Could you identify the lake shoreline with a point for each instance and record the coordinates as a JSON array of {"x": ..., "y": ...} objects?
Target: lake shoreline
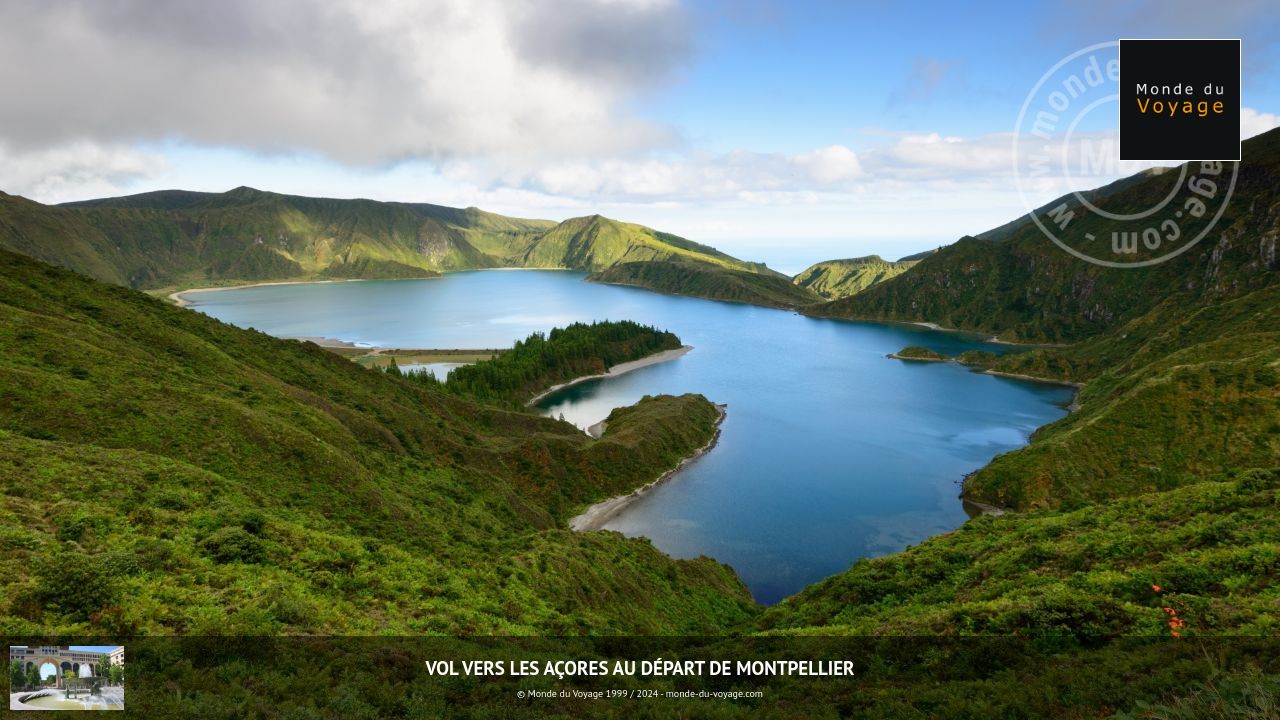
[
  {"x": 988, "y": 338},
  {"x": 616, "y": 370},
  {"x": 1072, "y": 406},
  {"x": 178, "y": 299},
  {"x": 595, "y": 516},
  {"x": 767, "y": 365}
]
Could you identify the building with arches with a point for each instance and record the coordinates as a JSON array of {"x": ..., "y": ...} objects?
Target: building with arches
[{"x": 83, "y": 663}]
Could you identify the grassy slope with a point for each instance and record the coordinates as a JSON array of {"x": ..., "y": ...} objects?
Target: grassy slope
[
  {"x": 705, "y": 280},
  {"x": 178, "y": 238},
  {"x": 126, "y": 246},
  {"x": 595, "y": 243},
  {"x": 222, "y": 481},
  {"x": 1174, "y": 396},
  {"x": 1179, "y": 360},
  {"x": 832, "y": 279},
  {"x": 1025, "y": 288},
  {"x": 1166, "y": 475},
  {"x": 1212, "y": 547}
]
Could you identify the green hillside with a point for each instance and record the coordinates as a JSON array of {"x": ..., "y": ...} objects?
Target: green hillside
[
  {"x": 1086, "y": 574},
  {"x": 1171, "y": 398},
  {"x": 1146, "y": 513},
  {"x": 168, "y": 474},
  {"x": 1181, "y": 361},
  {"x": 595, "y": 243},
  {"x": 832, "y": 279},
  {"x": 1024, "y": 288},
  {"x": 706, "y": 280},
  {"x": 1166, "y": 474},
  {"x": 165, "y": 473},
  {"x": 177, "y": 238}
]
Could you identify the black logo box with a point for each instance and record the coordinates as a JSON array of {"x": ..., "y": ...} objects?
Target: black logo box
[{"x": 1185, "y": 67}]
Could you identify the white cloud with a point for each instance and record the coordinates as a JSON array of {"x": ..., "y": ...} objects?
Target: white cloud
[
  {"x": 932, "y": 156},
  {"x": 1253, "y": 122},
  {"x": 829, "y": 165},
  {"x": 360, "y": 82},
  {"x": 691, "y": 177},
  {"x": 75, "y": 170}
]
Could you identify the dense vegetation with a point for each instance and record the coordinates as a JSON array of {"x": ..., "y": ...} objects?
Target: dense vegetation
[
  {"x": 596, "y": 243},
  {"x": 832, "y": 279},
  {"x": 1014, "y": 283},
  {"x": 1170, "y": 399},
  {"x": 165, "y": 473},
  {"x": 704, "y": 280},
  {"x": 916, "y": 352},
  {"x": 1087, "y": 574},
  {"x": 176, "y": 238},
  {"x": 542, "y": 360},
  {"x": 1150, "y": 511}
]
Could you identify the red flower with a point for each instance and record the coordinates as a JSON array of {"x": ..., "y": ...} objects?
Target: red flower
[{"x": 1156, "y": 588}]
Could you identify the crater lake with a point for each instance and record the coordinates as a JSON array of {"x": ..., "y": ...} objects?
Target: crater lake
[{"x": 829, "y": 451}]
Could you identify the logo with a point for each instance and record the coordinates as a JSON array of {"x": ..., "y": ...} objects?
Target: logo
[
  {"x": 1110, "y": 212},
  {"x": 1180, "y": 99}
]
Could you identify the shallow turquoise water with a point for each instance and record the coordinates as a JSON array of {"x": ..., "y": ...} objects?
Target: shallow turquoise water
[{"x": 830, "y": 451}]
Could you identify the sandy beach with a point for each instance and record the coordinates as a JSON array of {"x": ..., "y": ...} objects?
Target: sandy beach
[
  {"x": 982, "y": 508},
  {"x": 934, "y": 326},
  {"x": 180, "y": 301},
  {"x": 594, "y": 517},
  {"x": 619, "y": 369},
  {"x": 177, "y": 297}
]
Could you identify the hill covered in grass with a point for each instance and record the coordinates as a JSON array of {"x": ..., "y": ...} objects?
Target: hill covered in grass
[
  {"x": 833, "y": 279},
  {"x": 758, "y": 286},
  {"x": 166, "y": 473},
  {"x": 596, "y": 243},
  {"x": 1071, "y": 574},
  {"x": 178, "y": 238},
  {"x": 1014, "y": 282},
  {"x": 1179, "y": 360},
  {"x": 1173, "y": 396},
  {"x": 1151, "y": 503}
]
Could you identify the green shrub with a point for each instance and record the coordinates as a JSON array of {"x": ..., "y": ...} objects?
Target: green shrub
[
  {"x": 75, "y": 526},
  {"x": 153, "y": 554},
  {"x": 74, "y": 583},
  {"x": 233, "y": 544}
]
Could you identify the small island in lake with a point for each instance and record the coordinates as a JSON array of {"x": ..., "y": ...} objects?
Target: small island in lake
[{"x": 919, "y": 354}]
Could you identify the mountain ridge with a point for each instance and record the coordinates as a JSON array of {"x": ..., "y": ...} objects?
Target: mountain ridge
[
  {"x": 179, "y": 238},
  {"x": 1013, "y": 282},
  {"x": 833, "y": 279}
]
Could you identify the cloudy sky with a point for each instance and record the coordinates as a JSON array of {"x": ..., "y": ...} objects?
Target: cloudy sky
[{"x": 782, "y": 131}]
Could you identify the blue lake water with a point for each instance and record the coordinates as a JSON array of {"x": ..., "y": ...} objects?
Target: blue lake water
[{"x": 830, "y": 451}]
